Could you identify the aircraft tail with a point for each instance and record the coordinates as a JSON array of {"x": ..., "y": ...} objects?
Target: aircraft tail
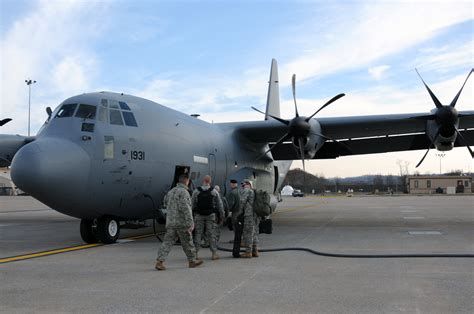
[{"x": 273, "y": 98}]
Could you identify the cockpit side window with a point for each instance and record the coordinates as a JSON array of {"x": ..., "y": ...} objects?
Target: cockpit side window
[
  {"x": 86, "y": 111},
  {"x": 124, "y": 106},
  {"x": 116, "y": 117},
  {"x": 66, "y": 110},
  {"x": 129, "y": 118}
]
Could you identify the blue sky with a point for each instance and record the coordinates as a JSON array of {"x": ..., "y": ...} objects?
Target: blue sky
[{"x": 213, "y": 58}]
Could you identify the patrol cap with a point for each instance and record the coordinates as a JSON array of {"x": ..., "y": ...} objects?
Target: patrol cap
[{"x": 233, "y": 181}]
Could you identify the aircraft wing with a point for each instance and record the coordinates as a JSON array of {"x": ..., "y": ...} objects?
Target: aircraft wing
[
  {"x": 9, "y": 145},
  {"x": 360, "y": 134},
  {"x": 366, "y": 146}
]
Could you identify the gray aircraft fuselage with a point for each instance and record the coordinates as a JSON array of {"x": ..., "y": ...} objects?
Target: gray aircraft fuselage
[{"x": 87, "y": 167}]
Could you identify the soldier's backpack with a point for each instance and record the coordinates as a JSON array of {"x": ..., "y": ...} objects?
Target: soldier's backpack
[
  {"x": 261, "y": 203},
  {"x": 205, "y": 202}
]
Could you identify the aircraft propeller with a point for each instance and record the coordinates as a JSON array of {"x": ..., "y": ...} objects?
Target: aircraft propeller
[
  {"x": 446, "y": 118},
  {"x": 299, "y": 127},
  {"x": 5, "y": 121}
]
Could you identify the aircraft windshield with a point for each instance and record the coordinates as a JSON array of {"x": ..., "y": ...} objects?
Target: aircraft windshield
[
  {"x": 86, "y": 111},
  {"x": 66, "y": 110}
]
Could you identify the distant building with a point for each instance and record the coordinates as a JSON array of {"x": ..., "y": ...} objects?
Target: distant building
[{"x": 439, "y": 184}]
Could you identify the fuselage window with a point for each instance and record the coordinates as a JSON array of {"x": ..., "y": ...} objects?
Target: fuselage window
[
  {"x": 103, "y": 114},
  {"x": 86, "y": 111},
  {"x": 116, "y": 117},
  {"x": 124, "y": 106},
  {"x": 66, "y": 111},
  {"x": 129, "y": 118}
]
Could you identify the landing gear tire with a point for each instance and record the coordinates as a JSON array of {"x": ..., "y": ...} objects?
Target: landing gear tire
[
  {"x": 107, "y": 230},
  {"x": 87, "y": 234}
]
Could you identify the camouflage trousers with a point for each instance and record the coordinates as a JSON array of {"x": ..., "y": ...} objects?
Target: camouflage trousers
[
  {"x": 209, "y": 225},
  {"x": 169, "y": 240},
  {"x": 250, "y": 232}
]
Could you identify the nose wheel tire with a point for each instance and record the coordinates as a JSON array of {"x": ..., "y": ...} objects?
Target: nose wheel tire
[
  {"x": 87, "y": 234},
  {"x": 107, "y": 230}
]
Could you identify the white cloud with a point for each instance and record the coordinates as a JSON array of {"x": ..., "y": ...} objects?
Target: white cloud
[
  {"x": 378, "y": 71},
  {"x": 378, "y": 30},
  {"x": 46, "y": 43},
  {"x": 445, "y": 58}
]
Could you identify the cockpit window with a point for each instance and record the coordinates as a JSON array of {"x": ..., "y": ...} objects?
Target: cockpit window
[
  {"x": 103, "y": 102},
  {"x": 66, "y": 110},
  {"x": 116, "y": 117},
  {"x": 124, "y": 106},
  {"x": 114, "y": 104},
  {"x": 129, "y": 118},
  {"x": 86, "y": 111},
  {"x": 103, "y": 114}
]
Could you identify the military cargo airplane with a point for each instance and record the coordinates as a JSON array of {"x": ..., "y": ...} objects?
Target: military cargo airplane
[{"x": 107, "y": 157}]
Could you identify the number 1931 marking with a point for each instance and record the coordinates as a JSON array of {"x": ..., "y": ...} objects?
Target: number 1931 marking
[{"x": 137, "y": 155}]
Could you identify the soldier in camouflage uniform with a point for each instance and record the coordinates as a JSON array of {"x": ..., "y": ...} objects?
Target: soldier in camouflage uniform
[
  {"x": 251, "y": 221},
  {"x": 179, "y": 224},
  {"x": 207, "y": 205}
]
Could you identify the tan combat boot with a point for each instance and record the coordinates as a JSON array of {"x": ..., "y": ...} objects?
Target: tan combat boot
[
  {"x": 255, "y": 252},
  {"x": 246, "y": 255},
  {"x": 195, "y": 263},
  {"x": 215, "y": 257},
  {"x": 159, "y": 265}
]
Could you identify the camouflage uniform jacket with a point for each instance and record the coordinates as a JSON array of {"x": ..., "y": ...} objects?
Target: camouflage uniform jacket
[
  {"x": 247, "y": 197},
  {"x": 217, "y": 198},
  {"x": 179, "y": 210}
]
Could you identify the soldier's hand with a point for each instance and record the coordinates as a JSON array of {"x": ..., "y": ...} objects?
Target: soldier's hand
[
  {"x": 190, "y": 230},
  {"x": 221, "y": 221}
]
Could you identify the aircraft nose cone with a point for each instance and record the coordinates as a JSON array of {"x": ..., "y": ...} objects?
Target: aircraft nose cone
[{"x": 51, "y": 170}]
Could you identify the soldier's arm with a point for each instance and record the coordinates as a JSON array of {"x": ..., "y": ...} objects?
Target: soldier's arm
[
  {"x": 194, "y": 200},
  {"x": 186, "y": 207},
  {"x": 220, "y": 206}
]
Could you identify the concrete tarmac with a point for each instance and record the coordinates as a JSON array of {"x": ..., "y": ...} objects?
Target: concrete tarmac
[{"x": 120, "y": 278}]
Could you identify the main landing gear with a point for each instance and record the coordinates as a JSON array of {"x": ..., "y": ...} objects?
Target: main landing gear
[{"x": 105, "y": 229}]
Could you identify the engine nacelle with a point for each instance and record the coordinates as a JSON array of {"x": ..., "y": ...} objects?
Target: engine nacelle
[{"x": 446, "y": 137}]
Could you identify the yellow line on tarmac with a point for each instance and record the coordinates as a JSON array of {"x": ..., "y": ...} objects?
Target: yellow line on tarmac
[
  {"x": 89, "y": 246},
  {"x": 62, "y": 250}
]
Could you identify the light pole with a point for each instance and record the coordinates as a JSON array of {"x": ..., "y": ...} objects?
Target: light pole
[
  {"x": 440, "y": 155},
  {"x": 29, "y": 83}
]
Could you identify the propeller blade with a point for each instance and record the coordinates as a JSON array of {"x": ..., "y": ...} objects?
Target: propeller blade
[
  {"x": 276, "y": 118},
  {"x": 281, "y": 140},
  {"x": 455, "y": 100},
  {"x": 463, "y": 141},
  {"x": 301, "y": 146},
  {"x": 429, "y": 147},
  {"x": 435, "y": 100},
  {"x": 325, "y": 105},
  {"x": 293, "y": 87},
  {"x": 5, "y": 121}
]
